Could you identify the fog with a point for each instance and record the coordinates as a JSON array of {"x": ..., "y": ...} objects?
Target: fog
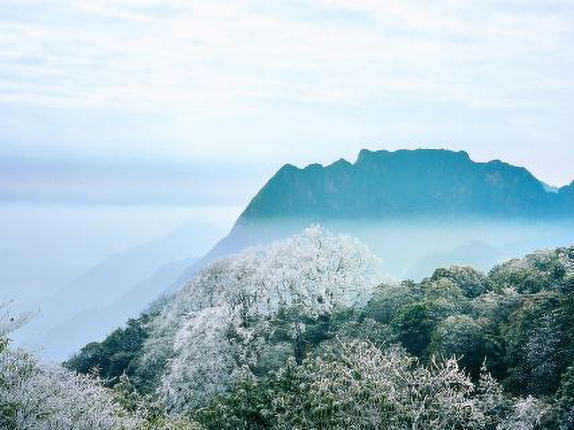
[
  {"x": 414, "y": 248},
  {"x": 87, "y": 268},
  {"x": 43, "y": 247}
]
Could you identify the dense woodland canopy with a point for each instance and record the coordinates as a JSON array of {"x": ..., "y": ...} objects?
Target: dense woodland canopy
[{"x": 304, "y": 334}]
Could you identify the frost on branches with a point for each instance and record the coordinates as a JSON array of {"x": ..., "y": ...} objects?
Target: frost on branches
[
  {"x": 366, "y": 388},
  {"x": 35, "y": 396},
  {"x": 361, "y": 387},
  {"x": 245, "y": 314}
]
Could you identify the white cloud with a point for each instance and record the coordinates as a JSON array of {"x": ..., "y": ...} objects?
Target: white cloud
[
  {"x": 105, "y": 52},
  {"x": 255, "y": 72}
]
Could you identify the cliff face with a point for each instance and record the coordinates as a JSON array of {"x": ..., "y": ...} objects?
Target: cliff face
[{"x": 420, "y": 183}]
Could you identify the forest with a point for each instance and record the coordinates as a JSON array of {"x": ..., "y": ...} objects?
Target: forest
[{"x": 308, "y": 333}]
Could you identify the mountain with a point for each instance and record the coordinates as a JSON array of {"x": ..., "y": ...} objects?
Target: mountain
[
  {"x": 95, "y": 323},
  {"x": 101, "y": 289},
  {"x": 549, "y": 188},
  {"x": 404, "y": 183},
  {"x": 248, "y": 316},
  {"x": 415, "y": 209},
  {"x": 436, "y": 198},
  {"x": 566, "y": 194},
  {"x": 293, "y": 325}
]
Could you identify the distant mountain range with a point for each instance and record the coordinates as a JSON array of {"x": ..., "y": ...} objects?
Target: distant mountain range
[
  {"x": 441, "y": 200},
  {"x": 419, "y": 183},
  {"x": 117, "y": 288}
]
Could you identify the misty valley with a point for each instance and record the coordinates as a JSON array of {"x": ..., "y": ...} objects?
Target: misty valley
[
  {"x": 286, "y": 215},
  {"x": 407, "y": 290}
]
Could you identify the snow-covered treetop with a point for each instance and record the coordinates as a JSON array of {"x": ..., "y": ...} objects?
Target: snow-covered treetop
[
  {"x": 315, "y": 271},
  {"x": 310, "y": 275},
  {"x": 9, "y": 321}
]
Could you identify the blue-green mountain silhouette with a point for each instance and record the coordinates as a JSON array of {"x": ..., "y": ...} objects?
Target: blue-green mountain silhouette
[
  {"x": 405, "y": 183},
  {"x": 417, "y": 200}
]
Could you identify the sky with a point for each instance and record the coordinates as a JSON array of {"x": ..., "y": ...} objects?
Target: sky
[
  {"x": 46, "y": 246},
  {"x": 199, "y": 102}
]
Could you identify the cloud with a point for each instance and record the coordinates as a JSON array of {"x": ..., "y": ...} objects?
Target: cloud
[
  {"x": 134, "y": 181},
  {"x": 188, "y": 53},
  {"x": 297, "y": 80}
]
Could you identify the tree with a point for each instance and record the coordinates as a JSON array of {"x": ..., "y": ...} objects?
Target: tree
[
  {"x": 116, "y": 355},
  {"x": 262, "y": 306},
  {"x": 471, "y": 282},
  {"x": 358, "y": 386},
  {"x": 565, "y": 400},
  {"x": 535, "y": 339},
  {"x": 35, "y": 395},
  {"x": 540, "y": 271},
  {"x": 463, "y": 337}
]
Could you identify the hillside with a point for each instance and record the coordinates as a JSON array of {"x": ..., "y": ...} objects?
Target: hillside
[
  {"x": 271, "y": 337},
  {"x": 118, "y": 287},
  {"x": 567, "y": 196}
]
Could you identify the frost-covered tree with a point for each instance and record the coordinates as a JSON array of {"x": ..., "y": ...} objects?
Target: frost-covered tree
[
  {"x": 361, "y": 387},
  {"x": 36, "y": 395},
  {"x": 41, "y": 396},
  {"x": 366, "y": 388},
  {"x": 539, "y": 271},
  {"x": 565, "y": 403},
  {"x": 527, "y": 414},
  {"x": 535, "y": 342},
  {"x": 9, "y": 322},
  {"x": 244, "y": 312}
]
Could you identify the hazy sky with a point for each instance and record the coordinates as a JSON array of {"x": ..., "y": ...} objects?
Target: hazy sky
[
  {"x": 43, "y": 247},
  {"x": 199, "y": 102}
]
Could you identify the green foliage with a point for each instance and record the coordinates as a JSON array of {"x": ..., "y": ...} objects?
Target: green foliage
[
  {"x": 511, "y": 331},
  {"x": 536, "y": 345},
  {"x": 463, "y": 337},
  {"x": 540, "y": 271},
  {"x": 247, "y": 408},
  {"x": 565, "y": 400},
  {"x": 389, "y": 298},
  {"x": 151, "y": 412},
  {"x": 116, "y": 355},
  {"x": 361, "y": 387},
  {"x": 470, "y": 281},
  {"x": 414, "y": 325}
]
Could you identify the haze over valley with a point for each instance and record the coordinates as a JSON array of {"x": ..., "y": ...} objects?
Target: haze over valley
[
  {"x": 417, "y": 210},
  {"x": 294, "y": 215}
]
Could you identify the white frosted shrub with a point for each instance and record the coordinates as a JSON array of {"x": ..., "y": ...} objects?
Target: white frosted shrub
[{"x": 366, "y": 388}]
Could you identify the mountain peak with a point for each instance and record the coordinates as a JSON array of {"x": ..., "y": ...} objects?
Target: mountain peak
[
  {"x": 340, "y": 163},
  {"x": 314, "y": 167},
  {"x": 287, "y": 168},
  {"x": 404, "y": 183},
  {"x": 366, "y": 155}
]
